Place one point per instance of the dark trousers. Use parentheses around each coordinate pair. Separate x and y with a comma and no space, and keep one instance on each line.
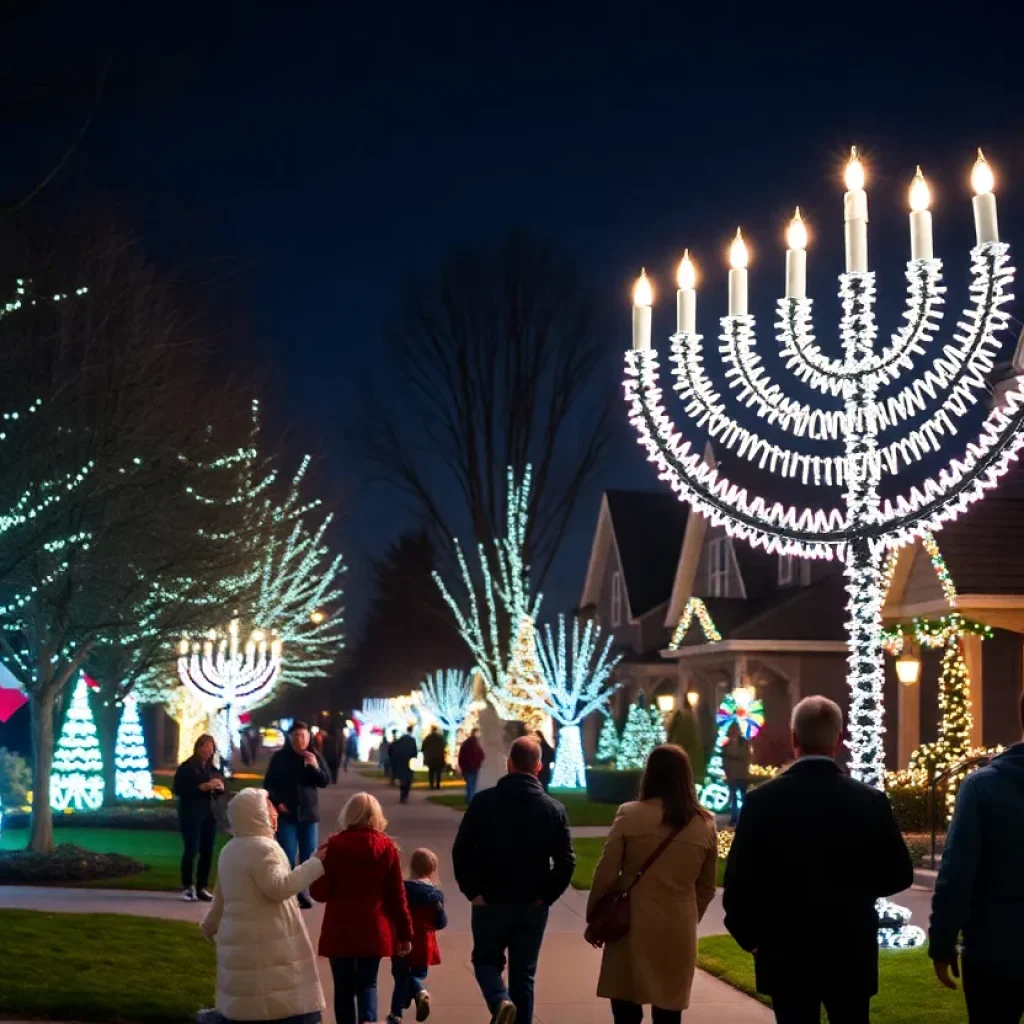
(992,998)
(355,988)
(408,984)
(805,1008)
(332,767)
(631,1013)
(519,930)
(435,769)
(198,836)
(404,776)
(737,793)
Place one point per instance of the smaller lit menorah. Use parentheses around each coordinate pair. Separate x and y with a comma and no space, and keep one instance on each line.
(228,678)
(861,414)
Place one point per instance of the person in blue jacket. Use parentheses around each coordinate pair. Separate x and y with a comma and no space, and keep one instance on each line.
(979,892)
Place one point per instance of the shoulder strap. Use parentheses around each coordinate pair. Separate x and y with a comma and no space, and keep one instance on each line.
(645,867)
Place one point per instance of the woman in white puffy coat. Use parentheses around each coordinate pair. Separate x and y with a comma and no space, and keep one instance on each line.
(266,967)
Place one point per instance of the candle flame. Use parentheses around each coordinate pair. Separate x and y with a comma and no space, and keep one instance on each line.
(920,194)
(854,172)
(686,276)
(643,294)
(796,236)
(981,177)
(738,255)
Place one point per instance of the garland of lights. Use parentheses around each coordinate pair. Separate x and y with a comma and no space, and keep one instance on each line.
(77,780)
(577,680)
(695,606)
(132,778)
(741,707)
(491,632)
(860,532)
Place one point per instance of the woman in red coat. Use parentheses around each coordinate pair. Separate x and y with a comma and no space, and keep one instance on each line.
(367,915)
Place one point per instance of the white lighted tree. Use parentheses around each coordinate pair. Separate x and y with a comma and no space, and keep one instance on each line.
(448,696)
(490,627)
(861,529)
(578,682)
(133,779)
(77,780)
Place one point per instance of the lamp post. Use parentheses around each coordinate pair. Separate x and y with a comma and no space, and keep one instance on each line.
(852,439)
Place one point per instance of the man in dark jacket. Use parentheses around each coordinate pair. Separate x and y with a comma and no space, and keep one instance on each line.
(813,850)
(294,775)
(513,858)
(434,750)
(980,891)
(403,752)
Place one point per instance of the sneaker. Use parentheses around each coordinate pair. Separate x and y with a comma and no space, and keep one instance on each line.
(305,902)
(393,1018)
(505,1013)
(189,895)
(422,1004)
(204,895)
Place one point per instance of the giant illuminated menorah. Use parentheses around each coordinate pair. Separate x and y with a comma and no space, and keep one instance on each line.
(229,679)
(860,530)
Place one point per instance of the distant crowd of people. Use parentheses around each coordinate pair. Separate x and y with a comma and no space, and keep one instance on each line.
(813,852)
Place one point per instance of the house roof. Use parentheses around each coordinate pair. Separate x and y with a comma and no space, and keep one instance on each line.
(648,528)
(814,612)
(983,548)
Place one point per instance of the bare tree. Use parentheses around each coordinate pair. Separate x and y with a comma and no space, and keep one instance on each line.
(492,360)
(101,540)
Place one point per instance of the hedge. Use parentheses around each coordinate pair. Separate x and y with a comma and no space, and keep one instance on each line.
(910,807)
(67,863)
(608,786)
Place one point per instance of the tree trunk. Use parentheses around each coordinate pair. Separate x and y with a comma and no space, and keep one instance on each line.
(42,706)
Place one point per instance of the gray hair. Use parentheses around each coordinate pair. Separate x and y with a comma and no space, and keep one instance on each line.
(817,724)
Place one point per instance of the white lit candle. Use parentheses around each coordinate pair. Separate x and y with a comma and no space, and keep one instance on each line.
(686,297)
(920,218)
(855,216)
(643,297)
(738,276)
(986,226)
(796,258)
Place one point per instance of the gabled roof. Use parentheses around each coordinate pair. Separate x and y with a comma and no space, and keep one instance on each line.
(646,529)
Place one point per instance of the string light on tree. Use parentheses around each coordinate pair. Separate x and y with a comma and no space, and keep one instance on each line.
(577,678)
(77,780)
(492,631)
(133,779)
(448,696)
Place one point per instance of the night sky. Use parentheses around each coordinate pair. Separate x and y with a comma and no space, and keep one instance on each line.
(301,158)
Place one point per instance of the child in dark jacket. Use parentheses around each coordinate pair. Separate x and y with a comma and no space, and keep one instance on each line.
(426,904)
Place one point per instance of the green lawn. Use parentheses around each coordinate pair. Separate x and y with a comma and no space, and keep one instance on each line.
(103,968)
(159,851)
(588,851)
(908,991)
(581,810)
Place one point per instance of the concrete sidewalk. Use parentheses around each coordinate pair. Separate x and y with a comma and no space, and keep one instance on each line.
(567,977)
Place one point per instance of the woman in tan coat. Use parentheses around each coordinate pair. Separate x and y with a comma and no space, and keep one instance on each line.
(653,963)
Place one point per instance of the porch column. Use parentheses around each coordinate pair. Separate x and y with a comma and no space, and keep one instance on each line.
(973,660)
(908,711)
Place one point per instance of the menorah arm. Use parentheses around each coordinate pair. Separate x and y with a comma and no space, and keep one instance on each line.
(964,480)
(806,360)
(807,531)
(705,407)
(961,370)
(747,376)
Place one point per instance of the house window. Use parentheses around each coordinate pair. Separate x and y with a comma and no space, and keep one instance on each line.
(616,600)
(786,574)
(718,567)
